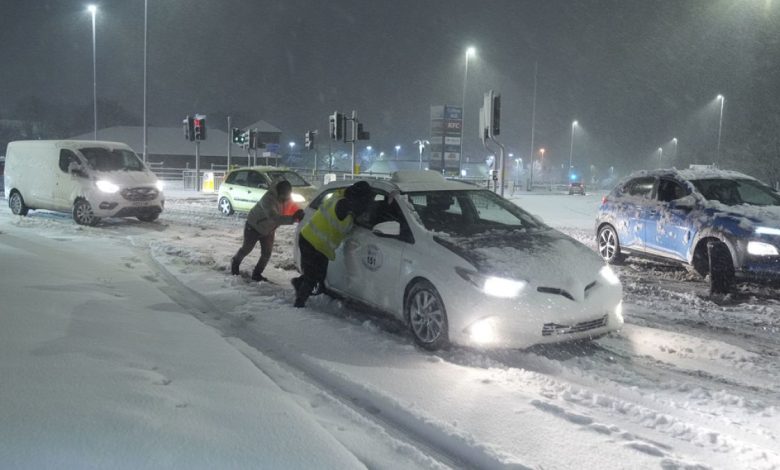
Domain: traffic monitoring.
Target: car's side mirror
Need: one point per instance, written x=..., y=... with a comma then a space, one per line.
x=387, y=229
x=76, y=171
x=687, y=203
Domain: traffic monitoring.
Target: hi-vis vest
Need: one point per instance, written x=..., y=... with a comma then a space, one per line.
x=324, y=230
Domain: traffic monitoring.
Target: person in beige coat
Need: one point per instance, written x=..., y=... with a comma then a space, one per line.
x=261, y=224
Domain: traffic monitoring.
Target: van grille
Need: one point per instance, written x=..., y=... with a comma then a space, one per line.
x=550, y=329
x=139, y=194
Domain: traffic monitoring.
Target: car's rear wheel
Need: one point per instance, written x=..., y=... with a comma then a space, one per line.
x=16, y=203
x=82, y=213
x=427, y=316
x=721, y=268
x=609, y=245
x=225, y=206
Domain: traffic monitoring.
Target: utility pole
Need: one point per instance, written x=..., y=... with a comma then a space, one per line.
x=533, y=129
x=229, y=142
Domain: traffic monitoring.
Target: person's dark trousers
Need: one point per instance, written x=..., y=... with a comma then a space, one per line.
x=314, y=266
x=251, y=237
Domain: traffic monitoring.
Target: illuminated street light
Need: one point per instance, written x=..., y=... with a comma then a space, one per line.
x=571, y=150
x=421, y=143
x=292, y=146
x=93, y=10
x=397, y=148
x=674, y=141
x=470, y=51
x=720, y=123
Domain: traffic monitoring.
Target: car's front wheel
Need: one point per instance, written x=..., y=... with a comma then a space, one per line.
x=225, y=206
x=721, y=268
x=16, y=203
x=427, y=316
x=82, y=213
x=609, y=245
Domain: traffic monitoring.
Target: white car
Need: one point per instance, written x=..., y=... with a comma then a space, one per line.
x=461, y=264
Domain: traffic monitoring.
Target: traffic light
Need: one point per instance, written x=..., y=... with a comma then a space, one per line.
x=237, y=136
x=496, y=121
x=189, y=128
x=492, y=113
x=253, y=139
x=199, y=124
x=308, y=140
x=336, y=126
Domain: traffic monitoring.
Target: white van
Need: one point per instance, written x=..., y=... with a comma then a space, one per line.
x=90, y=179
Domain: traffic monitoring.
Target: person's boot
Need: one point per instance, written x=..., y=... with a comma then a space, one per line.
x=302, y=291
x=258, y=277
x=234, y=264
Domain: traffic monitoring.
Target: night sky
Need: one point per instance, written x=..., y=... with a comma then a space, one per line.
x=633, y=73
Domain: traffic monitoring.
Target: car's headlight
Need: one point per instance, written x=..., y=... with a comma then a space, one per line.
x=761, y=249
x=493, y=285
x=106, y=186
x=767, y=231
x=297, y=198
x=609, y=275
x=159, y=185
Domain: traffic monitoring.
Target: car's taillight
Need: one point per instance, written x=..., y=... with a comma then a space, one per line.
x=603, y=200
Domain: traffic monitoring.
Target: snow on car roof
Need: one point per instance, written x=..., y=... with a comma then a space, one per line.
x=410, y=180
x=695, y=172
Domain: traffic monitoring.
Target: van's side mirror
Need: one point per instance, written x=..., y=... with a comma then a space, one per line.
x=391, y=228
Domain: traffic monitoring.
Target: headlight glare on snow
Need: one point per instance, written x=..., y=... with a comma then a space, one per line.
x=297, y=198
x=493, y=285
x=609, y=275
x=619, y=311
x=761, y=249
x=159, y=185
x=768, y=231
x=482, y=331
x=106, y=186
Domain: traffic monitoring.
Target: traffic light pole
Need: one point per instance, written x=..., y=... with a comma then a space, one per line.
x=229, y=142
x=197, y=165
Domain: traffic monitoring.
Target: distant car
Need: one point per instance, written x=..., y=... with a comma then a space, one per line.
x=461, y=264
x=243, y=187
x=576, y=188
x=719, y=223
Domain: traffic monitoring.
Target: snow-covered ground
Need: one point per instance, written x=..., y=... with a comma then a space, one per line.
x=130, y=345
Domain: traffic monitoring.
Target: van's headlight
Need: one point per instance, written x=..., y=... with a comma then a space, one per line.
x=761, y=249
x=493, y=285
x=297, y=198
x=159, y=185
x=106, y=186
x=609, y=275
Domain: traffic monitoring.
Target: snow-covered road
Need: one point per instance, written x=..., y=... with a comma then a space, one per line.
x=687, y=382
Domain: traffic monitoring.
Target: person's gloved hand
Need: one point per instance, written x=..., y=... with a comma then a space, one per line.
x=298, y=216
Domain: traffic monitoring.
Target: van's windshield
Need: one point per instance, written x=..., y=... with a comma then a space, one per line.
x=104, y=159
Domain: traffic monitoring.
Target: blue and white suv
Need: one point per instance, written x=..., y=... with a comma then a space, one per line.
x=722, y=223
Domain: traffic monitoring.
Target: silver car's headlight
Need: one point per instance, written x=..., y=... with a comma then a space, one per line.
x=761, y=249
x=609, y=275
x=106, y=186
x=493, y=285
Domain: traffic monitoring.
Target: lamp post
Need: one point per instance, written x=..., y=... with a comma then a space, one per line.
x=421, y=147
x=292, y=147
x=660, y=155
x=146, y=10
x=397, y=148
x=571, y=149
x=93, y=10
x=720, y=124
x=470, y=51
x=674, y=141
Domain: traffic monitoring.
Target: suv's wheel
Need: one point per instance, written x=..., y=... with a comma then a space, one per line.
x=609, y=245
x=721, y=268
x=225, y=206
x=82, y=213
x=427, y=316
x=151, y=217
x=16, y=203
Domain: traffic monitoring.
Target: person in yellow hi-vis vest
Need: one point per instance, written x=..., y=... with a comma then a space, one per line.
x=323, y=233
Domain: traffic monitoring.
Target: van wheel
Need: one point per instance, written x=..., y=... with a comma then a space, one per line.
x=427, y=317
x=16, y=203
x=82, y=213
x=225, y=207
x=148, y=217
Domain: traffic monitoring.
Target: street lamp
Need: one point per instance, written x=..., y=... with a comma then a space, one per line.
x=571, y=150
x=397, y=148
x=93, y=10
x=674, y=141
x=421, y=146
x=470, y=51
x=146, y=130
x=660, y=154
x=292, y=146
x=720, y=124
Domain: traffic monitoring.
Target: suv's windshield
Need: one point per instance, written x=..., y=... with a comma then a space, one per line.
x=733, y=192
x=291, y=176
x=103, y=159
x=469, y=211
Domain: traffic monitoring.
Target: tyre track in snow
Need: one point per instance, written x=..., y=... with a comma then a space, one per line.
x=453, y=451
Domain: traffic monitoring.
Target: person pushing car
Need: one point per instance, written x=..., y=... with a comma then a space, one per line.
x=271, y=211
x=323, y=233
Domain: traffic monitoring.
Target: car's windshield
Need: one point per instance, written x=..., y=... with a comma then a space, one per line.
x=467, y=212
x=291, y=176
x=104, y=159
x=733, y=192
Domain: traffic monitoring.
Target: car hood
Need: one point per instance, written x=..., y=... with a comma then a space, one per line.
x=749, y=216
x=546, y=258
x=126, y=179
